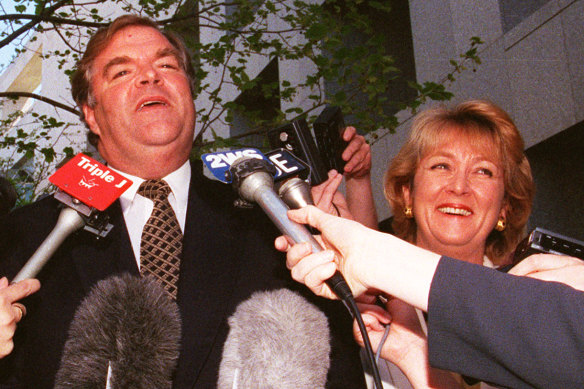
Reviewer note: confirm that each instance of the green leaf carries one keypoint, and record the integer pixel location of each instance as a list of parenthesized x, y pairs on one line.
[(49, 154)]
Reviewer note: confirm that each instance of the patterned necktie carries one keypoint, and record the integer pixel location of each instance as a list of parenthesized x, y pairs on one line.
[(161, 245)]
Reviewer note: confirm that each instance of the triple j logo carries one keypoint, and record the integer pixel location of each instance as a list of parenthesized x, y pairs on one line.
[(88, 183)]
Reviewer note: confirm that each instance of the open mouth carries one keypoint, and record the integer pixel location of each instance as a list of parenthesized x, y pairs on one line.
[(455, 211), (151, 103)]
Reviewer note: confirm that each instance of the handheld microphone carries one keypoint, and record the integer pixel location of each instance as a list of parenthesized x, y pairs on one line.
[(125, 334), (277, 339), (252, 175), (295, 193), (85, 188), (252, 178)]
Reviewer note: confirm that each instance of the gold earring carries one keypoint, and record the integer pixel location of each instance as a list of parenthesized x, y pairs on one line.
[(408, 212), (501, 224)]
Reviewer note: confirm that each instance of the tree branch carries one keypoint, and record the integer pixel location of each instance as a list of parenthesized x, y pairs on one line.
[(43, 99), (33, 22), (52, 19)]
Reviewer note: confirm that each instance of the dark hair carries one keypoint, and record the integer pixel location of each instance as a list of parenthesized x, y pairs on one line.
[(478, 121), (81, 81)]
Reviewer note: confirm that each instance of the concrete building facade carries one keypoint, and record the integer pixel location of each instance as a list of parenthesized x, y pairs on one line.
[(531, 66)]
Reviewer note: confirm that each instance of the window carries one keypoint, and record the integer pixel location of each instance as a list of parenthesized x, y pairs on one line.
[(514, 12), (254, 111)]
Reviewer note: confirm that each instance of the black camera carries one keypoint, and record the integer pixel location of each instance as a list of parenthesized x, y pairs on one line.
[(322, 155), (548, 242)]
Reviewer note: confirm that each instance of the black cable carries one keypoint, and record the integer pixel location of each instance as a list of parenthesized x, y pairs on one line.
[(352, 306)]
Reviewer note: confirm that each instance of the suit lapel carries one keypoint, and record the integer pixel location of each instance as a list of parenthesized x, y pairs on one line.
[(97, 259), (206, 284)]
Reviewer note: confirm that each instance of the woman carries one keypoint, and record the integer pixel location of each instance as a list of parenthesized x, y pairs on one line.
[(461, 187), (462, 183)]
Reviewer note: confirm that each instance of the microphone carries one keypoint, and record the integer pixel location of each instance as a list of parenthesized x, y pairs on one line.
[(295, 193), (252, 178), (125, 334), (277, 339), (85, 188)]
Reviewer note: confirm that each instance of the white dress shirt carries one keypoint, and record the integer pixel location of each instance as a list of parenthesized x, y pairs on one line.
[(137, 209)]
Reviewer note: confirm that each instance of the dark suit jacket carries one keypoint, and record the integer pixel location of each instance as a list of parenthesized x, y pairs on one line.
[(228, 254), (512, 331)]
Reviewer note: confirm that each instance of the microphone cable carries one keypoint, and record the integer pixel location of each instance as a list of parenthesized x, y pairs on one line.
[(351, 304), (296, 194)]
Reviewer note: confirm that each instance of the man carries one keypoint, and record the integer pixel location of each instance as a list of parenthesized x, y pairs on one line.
[(134, 86)]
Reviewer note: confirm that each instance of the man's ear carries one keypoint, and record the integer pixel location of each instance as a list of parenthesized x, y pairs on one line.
[(89, 114)]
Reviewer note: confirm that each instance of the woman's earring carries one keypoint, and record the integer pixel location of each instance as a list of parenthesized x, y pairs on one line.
[(408, 212), (501, 224)]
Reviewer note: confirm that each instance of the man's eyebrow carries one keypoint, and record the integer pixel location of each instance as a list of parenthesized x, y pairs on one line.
[(168, 52), (113, 62)]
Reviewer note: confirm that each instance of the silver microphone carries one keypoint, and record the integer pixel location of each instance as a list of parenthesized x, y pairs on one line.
[(253, 179), (295, 192), (68, 222)]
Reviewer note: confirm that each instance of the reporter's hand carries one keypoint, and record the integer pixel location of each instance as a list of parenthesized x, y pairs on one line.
[(550, 267), (10, 311), (368, 259), (357, 171), (327, 197), (357, 154), (343, 239), (406, 338), (406, 345)]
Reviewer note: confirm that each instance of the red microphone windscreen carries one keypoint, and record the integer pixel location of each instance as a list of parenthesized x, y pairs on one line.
[(90, 182)]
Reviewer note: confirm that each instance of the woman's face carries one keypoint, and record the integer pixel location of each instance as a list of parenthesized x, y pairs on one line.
[(457, 197)]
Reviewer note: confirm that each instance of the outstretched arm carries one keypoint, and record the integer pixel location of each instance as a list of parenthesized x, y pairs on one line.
[(368, 259), (358, 178)]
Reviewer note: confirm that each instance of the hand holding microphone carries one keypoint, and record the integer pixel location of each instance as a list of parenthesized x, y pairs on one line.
[(12, 312), (312, 268), (86, 187), (254, 182)]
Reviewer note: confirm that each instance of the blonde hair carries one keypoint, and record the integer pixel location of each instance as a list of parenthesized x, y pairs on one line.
[(478, 121)]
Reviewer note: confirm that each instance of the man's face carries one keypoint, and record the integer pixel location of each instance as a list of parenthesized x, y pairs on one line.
[(144, 112)]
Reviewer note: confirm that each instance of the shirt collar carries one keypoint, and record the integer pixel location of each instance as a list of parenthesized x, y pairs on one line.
[(178, 181)]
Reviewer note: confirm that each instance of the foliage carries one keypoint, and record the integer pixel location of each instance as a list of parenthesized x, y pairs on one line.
[(225, 50)]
